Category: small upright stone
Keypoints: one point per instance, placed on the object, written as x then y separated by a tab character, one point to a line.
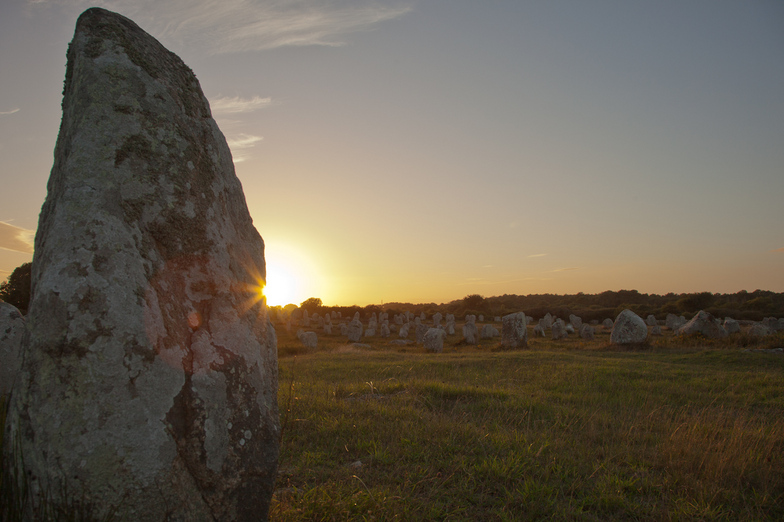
12	325
587	332
651	320
470	331
558	330
354	329
731	325
308	339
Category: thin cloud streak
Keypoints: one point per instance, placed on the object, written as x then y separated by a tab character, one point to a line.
778	250
236	105
12	111
537	255
566	269
231	26
16	239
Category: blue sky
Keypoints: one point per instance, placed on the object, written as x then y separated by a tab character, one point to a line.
425	150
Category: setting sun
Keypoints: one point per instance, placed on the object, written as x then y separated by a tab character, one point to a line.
291	277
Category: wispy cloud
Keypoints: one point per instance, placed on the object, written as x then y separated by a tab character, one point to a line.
778	249
240	143
537	255
566	269
12	111
236	105
229	26
16	239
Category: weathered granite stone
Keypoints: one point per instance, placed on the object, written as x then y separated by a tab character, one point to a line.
308	339
149	381
437	319
705	324
403	332
607	324
547	321
651	320
673	322
587	332
12	327
539	330
354	329
384	329
558	330
629	328
759	330
488	331
434	340
656	330
419	332
514	334
731	325
470	331
569	328
575	321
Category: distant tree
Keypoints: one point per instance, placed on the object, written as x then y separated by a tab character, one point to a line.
311	304
473	301
16	289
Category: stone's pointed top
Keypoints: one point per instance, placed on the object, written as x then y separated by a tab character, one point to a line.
101	31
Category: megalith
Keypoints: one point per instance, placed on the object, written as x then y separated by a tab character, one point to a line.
149	380
434	340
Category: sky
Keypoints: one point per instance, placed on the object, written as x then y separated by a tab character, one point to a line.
424	150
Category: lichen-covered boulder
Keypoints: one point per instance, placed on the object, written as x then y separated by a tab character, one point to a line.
629	328
149	382
488	331
705	324
514	333
575	321
12	327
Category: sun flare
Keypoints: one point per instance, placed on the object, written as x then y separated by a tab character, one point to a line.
291	276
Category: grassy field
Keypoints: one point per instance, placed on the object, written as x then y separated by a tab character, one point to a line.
568	430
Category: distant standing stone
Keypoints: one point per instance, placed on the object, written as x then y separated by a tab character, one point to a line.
434	340
354	330
308	339
587	332
558	330
705	324
629	328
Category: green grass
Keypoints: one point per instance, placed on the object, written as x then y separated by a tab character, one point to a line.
563	431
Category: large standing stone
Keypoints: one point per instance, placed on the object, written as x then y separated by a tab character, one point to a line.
308	339
149	382
514	334
705	324
629	328
731	325
12	326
